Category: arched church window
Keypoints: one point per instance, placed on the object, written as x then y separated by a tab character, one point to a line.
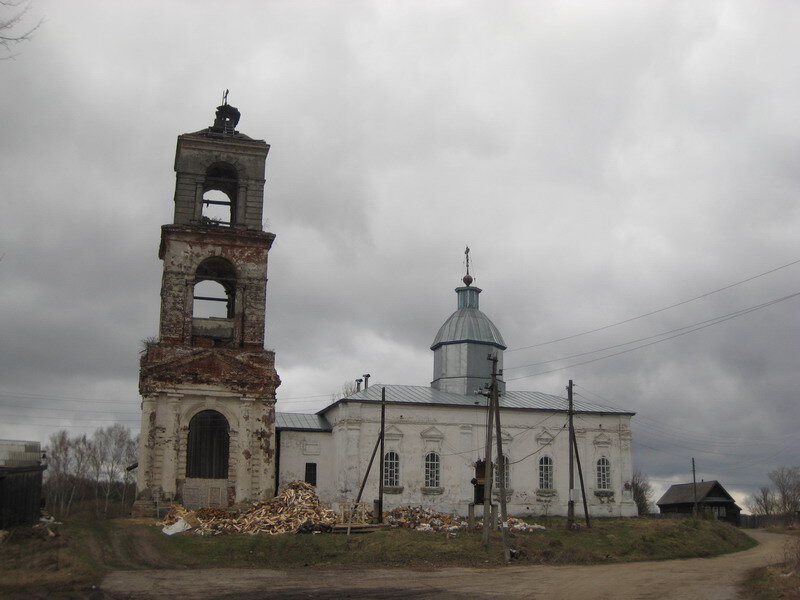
214	289
603	474
432	470
391	469
502	471
207	446
546	473
220	189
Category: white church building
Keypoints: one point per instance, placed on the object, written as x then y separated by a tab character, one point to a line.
435	436
210	434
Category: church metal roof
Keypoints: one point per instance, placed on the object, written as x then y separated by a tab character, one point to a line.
301	422
417	394
468	325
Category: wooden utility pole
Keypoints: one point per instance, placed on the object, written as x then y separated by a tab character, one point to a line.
694	486
580	478
571	501
501	463
487	478
383	435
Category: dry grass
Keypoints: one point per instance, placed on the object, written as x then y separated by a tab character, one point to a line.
83	552
781	581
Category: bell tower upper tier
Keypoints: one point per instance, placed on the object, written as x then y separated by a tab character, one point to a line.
213	291
220	175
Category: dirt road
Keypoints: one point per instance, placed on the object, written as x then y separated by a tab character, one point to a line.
694	579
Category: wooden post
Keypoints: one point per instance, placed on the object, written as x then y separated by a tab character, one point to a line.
501	463
580	477
487	486
571	501
383	435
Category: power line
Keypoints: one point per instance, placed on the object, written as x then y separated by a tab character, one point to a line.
696	437
541	447
711	321
654	312
715	321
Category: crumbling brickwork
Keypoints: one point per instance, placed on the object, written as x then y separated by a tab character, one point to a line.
216	366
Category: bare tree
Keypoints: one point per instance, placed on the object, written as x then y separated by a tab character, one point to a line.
129	458
59	469
786	484
12	30
349	388
112	452
763	502
642	492
89	469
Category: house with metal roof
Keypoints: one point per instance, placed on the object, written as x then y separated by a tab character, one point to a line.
435	436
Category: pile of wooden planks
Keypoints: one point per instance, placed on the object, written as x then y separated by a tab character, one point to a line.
296	508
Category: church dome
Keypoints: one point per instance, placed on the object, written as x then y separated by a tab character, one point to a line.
468	324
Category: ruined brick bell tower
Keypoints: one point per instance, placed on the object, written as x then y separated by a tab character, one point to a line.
208	385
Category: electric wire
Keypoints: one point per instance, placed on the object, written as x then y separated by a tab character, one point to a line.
716	321
654	312
650	337
541	447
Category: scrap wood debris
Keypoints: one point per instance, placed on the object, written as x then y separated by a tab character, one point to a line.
296	508
427	520
423	519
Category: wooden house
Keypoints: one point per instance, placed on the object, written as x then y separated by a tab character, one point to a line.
711	498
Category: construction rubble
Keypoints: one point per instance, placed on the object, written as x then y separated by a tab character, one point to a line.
297	509
428	520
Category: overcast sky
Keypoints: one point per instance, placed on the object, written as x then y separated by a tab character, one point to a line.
603	161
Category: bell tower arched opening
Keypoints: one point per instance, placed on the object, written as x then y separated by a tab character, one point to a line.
214	300
220	191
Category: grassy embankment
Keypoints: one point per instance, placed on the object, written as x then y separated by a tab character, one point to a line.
84	551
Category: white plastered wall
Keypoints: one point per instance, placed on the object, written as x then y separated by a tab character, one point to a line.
458	434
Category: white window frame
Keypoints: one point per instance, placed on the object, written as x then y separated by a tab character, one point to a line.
433	470
391	469
603	473
546	473
506	472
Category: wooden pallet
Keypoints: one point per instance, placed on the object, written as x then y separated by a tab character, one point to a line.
358	527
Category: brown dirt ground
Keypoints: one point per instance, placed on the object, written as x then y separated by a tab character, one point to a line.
718	578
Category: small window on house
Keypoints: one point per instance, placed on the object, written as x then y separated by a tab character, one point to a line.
432	470
603	474
502	472
546	473
391	469
207	446
311	473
